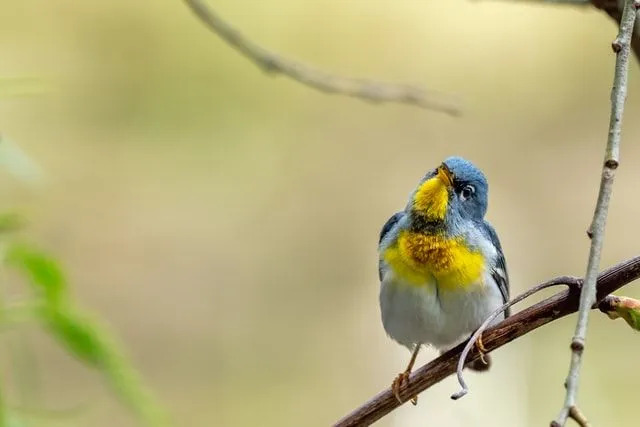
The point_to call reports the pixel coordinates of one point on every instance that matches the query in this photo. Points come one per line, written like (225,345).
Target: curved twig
(356,88)
(559,305)
(571,282)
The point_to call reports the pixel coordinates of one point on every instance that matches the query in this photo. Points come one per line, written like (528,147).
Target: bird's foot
(481,349)
(401,379)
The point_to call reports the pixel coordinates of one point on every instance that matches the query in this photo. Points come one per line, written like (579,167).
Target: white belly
(424,315)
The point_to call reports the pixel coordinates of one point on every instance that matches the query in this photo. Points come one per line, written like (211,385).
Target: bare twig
(357,88)
(572,282)
(596,230)
(521,323)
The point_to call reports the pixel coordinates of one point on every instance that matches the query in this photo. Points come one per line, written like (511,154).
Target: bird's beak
(445,175)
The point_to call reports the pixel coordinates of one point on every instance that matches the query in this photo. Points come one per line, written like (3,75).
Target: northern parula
(441,267)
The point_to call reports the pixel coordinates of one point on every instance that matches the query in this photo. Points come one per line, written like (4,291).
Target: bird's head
(455,189)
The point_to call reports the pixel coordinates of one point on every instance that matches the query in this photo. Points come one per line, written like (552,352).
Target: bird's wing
(386,228)
(499,271)
(389,224)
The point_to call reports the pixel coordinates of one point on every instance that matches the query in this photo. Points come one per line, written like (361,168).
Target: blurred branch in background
(357,88)
(515,326)
(621,46)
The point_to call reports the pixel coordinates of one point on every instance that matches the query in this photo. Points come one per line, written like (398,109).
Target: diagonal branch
(324,82)
(596,230)
(515,326)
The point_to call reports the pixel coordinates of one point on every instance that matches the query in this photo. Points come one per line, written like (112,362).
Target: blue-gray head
(455,187)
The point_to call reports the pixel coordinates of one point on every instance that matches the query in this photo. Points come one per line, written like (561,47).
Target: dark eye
(467,192)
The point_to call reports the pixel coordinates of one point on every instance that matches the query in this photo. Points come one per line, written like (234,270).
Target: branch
(596,230)
(515,326)
(356,88)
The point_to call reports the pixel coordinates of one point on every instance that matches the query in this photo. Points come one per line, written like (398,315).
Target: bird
(441,266)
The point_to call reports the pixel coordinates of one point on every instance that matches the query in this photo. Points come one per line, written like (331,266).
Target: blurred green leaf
(624,307)
(83,336)
(42,270)
(10,221)
(129,386)
(93,344)
(78,335)
(4,414)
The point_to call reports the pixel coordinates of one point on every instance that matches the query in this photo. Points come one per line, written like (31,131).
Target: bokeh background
(225,222)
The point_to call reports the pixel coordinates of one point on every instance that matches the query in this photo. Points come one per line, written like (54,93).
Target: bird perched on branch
(442,270)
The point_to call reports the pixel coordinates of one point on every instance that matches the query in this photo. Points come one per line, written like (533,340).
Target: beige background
(225,222)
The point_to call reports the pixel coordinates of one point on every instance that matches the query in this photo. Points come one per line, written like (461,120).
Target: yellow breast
(419,258)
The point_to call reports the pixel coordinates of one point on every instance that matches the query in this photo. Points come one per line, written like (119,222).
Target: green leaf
(10,221)
(78,335)
(624,307)
(83,336)
(42,270)
(92,343)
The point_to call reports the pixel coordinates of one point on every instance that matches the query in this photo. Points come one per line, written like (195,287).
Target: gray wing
(389,224)
(385,229)
(499,272)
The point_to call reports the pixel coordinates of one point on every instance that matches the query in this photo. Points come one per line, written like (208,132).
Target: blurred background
(225,222)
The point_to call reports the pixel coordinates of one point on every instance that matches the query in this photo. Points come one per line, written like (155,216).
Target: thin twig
(572,282)
(596,230)
(515,326)
(309,76)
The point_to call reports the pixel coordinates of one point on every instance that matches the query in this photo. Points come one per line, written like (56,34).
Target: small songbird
(442,270)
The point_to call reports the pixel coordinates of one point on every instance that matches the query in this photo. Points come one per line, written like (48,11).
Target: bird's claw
(401,379)
(481,349)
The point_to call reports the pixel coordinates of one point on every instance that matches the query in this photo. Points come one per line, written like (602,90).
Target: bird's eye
(467,192)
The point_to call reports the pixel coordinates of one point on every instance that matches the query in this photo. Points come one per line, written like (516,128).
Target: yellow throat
(432,197)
